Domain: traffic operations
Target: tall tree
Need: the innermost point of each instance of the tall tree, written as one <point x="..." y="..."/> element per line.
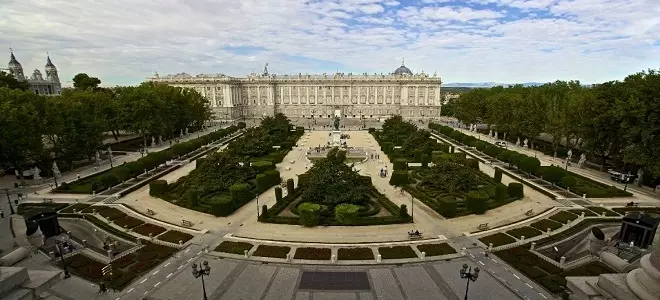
<point x="8" y="81"/>
<point x="82" y="81"/>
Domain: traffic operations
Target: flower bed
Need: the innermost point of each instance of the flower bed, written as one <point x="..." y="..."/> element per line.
<point x="271" y="251"/>
<point x="355" y="254"/>
<point x="83" y="267"/>
<point x="599" y="210"/>
<point x="24" y="207"/>
<point x="563" y="217"/>
<point x="436" y="249"/>
<point x="110" y="213"/>
<point x="78" y="207"/>
<point x="526" y="231"/>
<point x="174" y="236"/>
<point x="587" y="213"/>
<point x="397" y="252"/>
<point x="128" y="222"/>
<point x="233" y="247"/>
<point x="146" y="229"/>
<point x="497" y="239"/>
<point x="544" y="224"/>
<point x="313" y="253"/>
<point x="575" y="229"/>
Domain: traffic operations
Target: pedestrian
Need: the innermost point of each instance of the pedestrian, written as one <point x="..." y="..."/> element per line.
<point x="2" y="214"/>
<point x="78" y="175"/>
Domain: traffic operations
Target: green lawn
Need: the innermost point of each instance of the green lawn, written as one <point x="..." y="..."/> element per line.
<point x="526" y="231"/>
<point x="563" y="217"/>
<point x="497" y="239"/>
<point x="233" y="247"/>
<point x="271" y="251"/>
<point x="355" y="254"/>
<point x="544" y="224"/>
<point x="397" y="252"/>
<point x="436" y="249"/>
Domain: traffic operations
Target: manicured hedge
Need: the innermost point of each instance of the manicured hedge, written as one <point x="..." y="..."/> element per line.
<point x="563" y="217"/>
<point x="346" y="213"/>
<point x="147" y="228"/>
<point x="497" y="239"/>
<point x="263" y="165"/>
<point x="278" y="194"/>
<point x="313" y="253"/>
<point x="498" y="175"/>
<point x="355" y="254"/>
<point x="397" y="252"/>
<point x="515" y="190"/>
<point x="477" y="202"/>
<point x="157" y="187"/>
<point x="526" y="231"/>
<point x="400" y="164"/>
<point x="110" y="213"/>
<point x="399" y="178"/>
<point x="289" y="186"/>
<point x="272" y="251"/>
<point x="544" y="224"/>
<point x="436" y="249"/>
<point x="174" y="236"/>
<point x="309" y="214"/>
<point x="233" y="247"/>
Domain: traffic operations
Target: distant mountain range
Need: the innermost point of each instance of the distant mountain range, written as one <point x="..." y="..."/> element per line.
<point x="487" y="84"/>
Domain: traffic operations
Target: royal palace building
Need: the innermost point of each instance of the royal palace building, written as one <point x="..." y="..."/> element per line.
<point x="414" y="96"/>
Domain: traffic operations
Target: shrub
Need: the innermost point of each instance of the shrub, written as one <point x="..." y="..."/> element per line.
<point x="436" y="249"/>
<point x="158" y="187"/>
<point x="64" y="186"/>
<point x="568" y="181"/>
<point x="309" y="214"/>
<point x="501" y="194"/>
<point x="492" y="150"/>
<point x="372" y="130"/>
<point x="477" y="202"/>
<point x="262" y="182"/>
<point x="355" y="254"/>
<point x="515" y="190"/>
<point x="346" y="213"/>
<point x="498" y="175"/>
<point x="289" y="186"/>
<point x="273" y="177"/>
<point x="174" y="236"/>
<point x="313" y="253"/>
<point x="403" y="211"/>
<point x="425" y="160"/>
<point x="480" y="145"/>
<point x="529" y="164"/>
<point x="264" y="212"/>
<point x="399" y="178"/>
<point x="472" y="163"/>
<point x="514" y="159"/>
<point x="240" y="193"/>
<point x="233" y="247"/>
<point x="271" y="251"/>
<point x="447" y="207"/>
<point x="400" y="164"/>
<point x="553" y="174"/>
<point x="278" y="194"/>
<point x="505" y="156"/>
<point x="396" y="252"/>
<point x="263" y="165"/>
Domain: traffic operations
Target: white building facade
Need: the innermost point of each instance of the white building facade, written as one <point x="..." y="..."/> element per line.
<point x="413" y="96"/>
<point x="49" y="85"/>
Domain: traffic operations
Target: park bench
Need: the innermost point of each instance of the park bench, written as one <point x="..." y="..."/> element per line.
<point x="150" y="212"/>
<point x="529" y="212"/>
<point x="186" y="223"/>
<point x="483" y="226"/>
<point x="414" y="236"/>
<point x="48" y="200"/>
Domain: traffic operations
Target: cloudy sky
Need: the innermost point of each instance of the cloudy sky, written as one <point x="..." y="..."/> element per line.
<point x="124" y="41"/>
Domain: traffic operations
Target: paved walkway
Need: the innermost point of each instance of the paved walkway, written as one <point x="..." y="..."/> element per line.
<point x="641" y="194"/>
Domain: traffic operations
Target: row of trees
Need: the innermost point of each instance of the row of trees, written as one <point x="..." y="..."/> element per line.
<point x="36" y="129"/>
<point x="616" y="120"/>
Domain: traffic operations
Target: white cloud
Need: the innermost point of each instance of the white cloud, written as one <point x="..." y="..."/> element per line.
<point x="124" y="41"/>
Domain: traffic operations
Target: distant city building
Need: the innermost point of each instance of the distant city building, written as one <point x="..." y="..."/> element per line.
<point x="316" y="96"/>
<point x="448" y="96"/>
<point x="38" y="84"/>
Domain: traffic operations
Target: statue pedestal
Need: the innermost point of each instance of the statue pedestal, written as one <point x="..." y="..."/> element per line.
<point x="336" y="138"/>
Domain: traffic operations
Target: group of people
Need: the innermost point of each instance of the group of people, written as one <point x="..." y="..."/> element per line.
<point x="415" y="232"/>
<point x="383" y="172"/>
<point x="376" y="156"/>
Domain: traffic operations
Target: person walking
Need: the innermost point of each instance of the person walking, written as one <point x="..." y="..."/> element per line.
<point x="2" y="214"/>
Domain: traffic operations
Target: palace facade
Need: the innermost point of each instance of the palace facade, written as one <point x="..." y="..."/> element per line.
<point x="316" y="96"/>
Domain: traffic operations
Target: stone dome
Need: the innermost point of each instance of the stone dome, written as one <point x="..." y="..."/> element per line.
<point x="402" y="70"/>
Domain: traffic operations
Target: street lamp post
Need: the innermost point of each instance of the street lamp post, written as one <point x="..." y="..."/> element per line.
<point x="204" y="270"/>
<point x="412" y="208"/>
<point x="469" y="275"/>
<point x="11" y="208"/>
<point x="59" y="250"/>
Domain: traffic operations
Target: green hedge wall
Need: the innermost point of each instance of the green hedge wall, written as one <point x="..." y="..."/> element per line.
<point x="278" y="194"/>
<point x="477" y="202"/>
<point x="515" y="190"/>
<point x="289" y="186"/>
<point x="498" y="175"/>
<point x="157" y="187"/>
<point x="399" y="178"/>
<point x="346" y="213"/>
<point x="309" y="214"/>
<point x="400" y="164"/>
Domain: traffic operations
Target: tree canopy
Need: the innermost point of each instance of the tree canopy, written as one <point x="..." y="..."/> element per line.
<point x="7" y="80"/>
<point x="82" y="81"/>
<point x="332" y="182"/>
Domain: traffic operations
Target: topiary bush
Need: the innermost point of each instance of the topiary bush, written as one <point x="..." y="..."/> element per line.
<point x="515" y="190"/>
<point x="399" y="178"/>
<point x="477" y="202"/>
<point x="501" y="193"/>
<point x="505" y="156"/>
<point x="264" y="212"/>
<point x="403" y="211"/>
<point x="309" y="214"/>
<point x="278" y="194"/>
<point x="262" y="182"/>
<point x="568" y="181"/>
<point x="529" y="164"/>
<point x="157" y="187"/>
<point x="289" y="186"/>
<point x="472" y="163"/>
<point x="400" y="164"/>
<point x="346" y="213"/>
<point x="447" y="207"/>
<point x="498" y="175"/>
<point x="240" y="193"/>
<point x="263" y="165"/>
<point x="273" y="177"/>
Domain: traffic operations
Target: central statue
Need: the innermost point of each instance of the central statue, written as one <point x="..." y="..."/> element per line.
<point x="336" y="123"/>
